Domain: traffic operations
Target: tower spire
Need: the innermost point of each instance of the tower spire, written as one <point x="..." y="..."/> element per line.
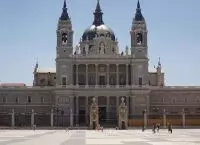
<point x="98" y="15"/>
<point x="138" y="14"/>
<point x="138" y="4"/>
<point x="64" y="15"/>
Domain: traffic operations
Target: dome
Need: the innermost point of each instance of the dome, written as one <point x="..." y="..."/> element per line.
<point x="102" y="29"/>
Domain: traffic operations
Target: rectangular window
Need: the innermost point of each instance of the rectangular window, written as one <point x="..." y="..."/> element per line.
<point x="140" y="81"/>
<point x="4" y="99"/>
<point x="42" y="99"/>
<point x="17" y="100"/>
<point x="29" y="99"/>
<point x="64" y="81"/>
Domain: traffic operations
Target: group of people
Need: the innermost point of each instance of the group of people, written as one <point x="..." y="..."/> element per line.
<point x="156" y="127"/>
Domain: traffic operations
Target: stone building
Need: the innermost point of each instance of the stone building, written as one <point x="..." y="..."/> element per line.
<point x="96" y="68"/>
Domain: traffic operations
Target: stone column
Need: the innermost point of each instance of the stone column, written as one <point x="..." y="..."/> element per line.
<point x="71" y="110"/>
<point x="13" y="118"/>
<point x="117" y="101"/>
<point x="183" y="118"/>
<point x="86" y="110"/>
<point x="86" y="83"/>
<point x="126" y="74"/>
<point x="132" y="75"/>
<point x="117" y="75"/>
<point x="71" y="118"/>
<point x="145" y="118"/>
<point x="164" y="119"/>
<point x="128" y="104"/>
<point x="97" y="101"/>
<point x="77" y="81"/>
<point x="77" y="110"/>
<point x="108" y="76"/>
<point x="51" y="117"/>
<point x="108" y="107"/>
<point x="96" y="70"/>
<point x="147" y="103"/>
<point x="32" y="117"/>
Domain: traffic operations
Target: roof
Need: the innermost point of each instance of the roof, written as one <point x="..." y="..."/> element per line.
<point x="12" y="84"/>
<point x="46" y="70"/>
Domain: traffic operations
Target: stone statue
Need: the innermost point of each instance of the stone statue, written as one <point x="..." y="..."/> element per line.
<point x="126" y="51"/>
<point x="123" y="115"/>
<point x="77" y="49"/>
<point x="102" y="48"/>
<point x="86" y="48"/>
<point x="94" y="116"/>
<point x="117" y="49"/>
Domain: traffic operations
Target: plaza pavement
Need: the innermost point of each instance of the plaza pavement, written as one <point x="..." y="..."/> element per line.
<point x="107" y="137"/>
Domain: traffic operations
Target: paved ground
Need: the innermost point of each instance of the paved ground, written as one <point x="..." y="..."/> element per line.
<point x="107" y="137"/>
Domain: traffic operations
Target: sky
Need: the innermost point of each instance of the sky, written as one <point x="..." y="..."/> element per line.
<point x="28" y="32"/>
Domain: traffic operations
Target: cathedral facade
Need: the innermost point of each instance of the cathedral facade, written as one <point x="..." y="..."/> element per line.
<point x="96" y="68"/>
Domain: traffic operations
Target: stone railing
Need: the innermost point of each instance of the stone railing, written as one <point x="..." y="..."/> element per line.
<point x="100" y="86"/>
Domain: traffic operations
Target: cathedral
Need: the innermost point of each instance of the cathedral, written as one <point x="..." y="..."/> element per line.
<point x="96" y="70"/>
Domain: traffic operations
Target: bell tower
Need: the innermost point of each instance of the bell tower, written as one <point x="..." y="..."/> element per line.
<point x="64" y="49"/>
<point x="139" y="48"/>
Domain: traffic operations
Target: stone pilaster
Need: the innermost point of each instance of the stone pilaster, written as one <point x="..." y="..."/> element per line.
<point x="32" y="117"/>
<point x="71" y="110"/>
<point x="77" y="80"/>
<point x="126" y="74"/>
<point x="13" y="118"/>
<point x="164" y="119"/>
<point x="108" y="75"/>
<point x="86" y="83"/>
<point x="52" y="118"/>
<point x="183" y="118"/>
<point x="145" y="118"/>
<point x="96" y="76"/>
<point x="108" y="107"/>
<point x="77" y="110"/>
<point x="117" y="75"/>
<point x="86" y="110"/>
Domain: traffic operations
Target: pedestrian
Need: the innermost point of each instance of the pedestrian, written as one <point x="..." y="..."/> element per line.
<point x="158" y="127"/>
<point x="169" y="128"/>
<point x="154" y="128"/>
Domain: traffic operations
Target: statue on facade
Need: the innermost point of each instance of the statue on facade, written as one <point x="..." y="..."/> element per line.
<point x="77" y="49"/>
<point x="102" y="48"/>
<point x="123" y="115"/>
<point x="94" y="114"/>
<point x="126" y="50"/>
<point x="86" y="49"/>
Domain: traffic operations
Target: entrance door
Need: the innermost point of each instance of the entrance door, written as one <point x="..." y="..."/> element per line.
<point x="82" y="117"/>
<point x="102" y="80"/>
<point x="102" y="115"/>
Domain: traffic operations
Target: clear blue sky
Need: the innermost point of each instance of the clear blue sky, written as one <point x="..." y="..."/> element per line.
<point x="28" y="32"/>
